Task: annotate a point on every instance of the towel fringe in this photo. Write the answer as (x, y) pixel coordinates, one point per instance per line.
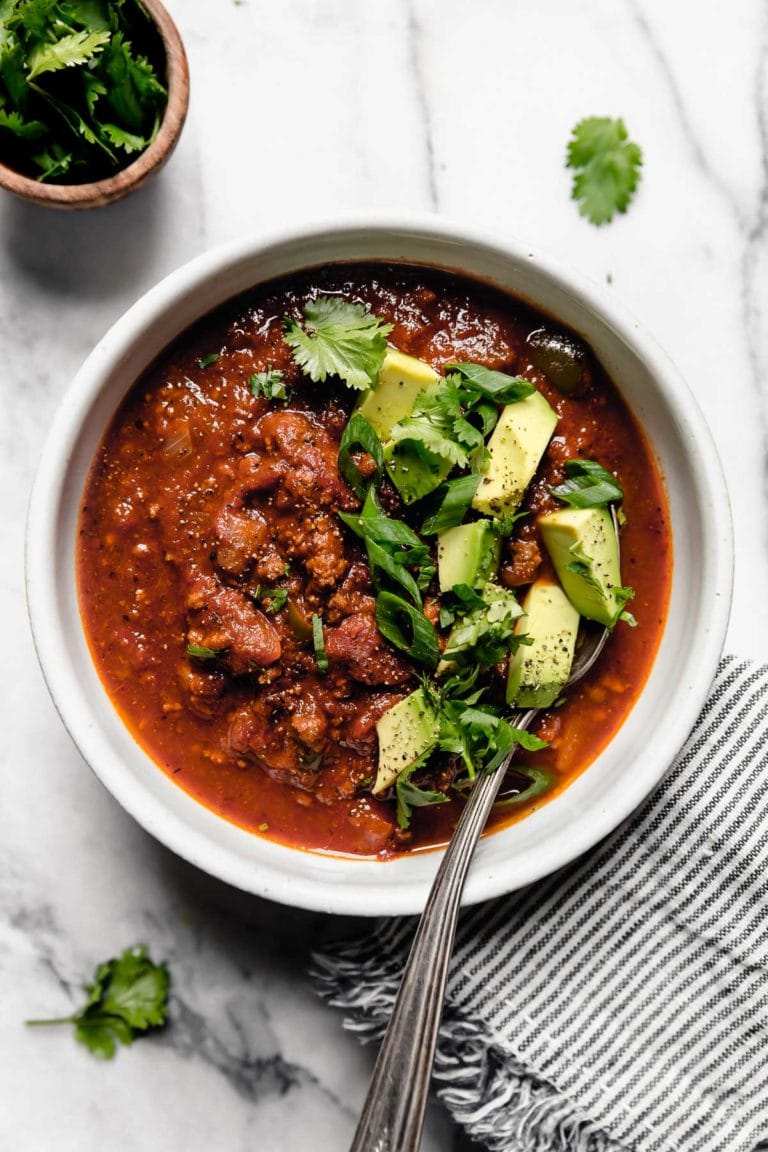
(499, 1101)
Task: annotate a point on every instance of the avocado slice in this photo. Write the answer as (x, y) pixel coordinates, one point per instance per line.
(407, 733)
(468, 554)
(516, 446)
(584, 549)
(393, 396)
(538, 672)
(415, 472)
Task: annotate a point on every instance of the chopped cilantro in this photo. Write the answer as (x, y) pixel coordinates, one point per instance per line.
(339, 338)
(607, 167)
(127, 998)
(203, 653)
(208, 359)
(269, 384)
(272, 599)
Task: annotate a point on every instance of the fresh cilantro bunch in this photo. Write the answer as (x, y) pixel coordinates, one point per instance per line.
(339, 338)
(78, 99)
(607, 167)
(128, 997)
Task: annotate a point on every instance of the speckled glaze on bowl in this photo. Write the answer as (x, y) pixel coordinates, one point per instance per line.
(626, 770)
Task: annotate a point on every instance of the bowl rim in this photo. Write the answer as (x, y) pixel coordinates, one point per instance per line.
(97, 193)
(47, 622)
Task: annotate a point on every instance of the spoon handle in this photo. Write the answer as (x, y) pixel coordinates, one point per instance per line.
(393, 1114)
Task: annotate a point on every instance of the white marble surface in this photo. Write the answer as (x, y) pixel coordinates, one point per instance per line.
(299, 108)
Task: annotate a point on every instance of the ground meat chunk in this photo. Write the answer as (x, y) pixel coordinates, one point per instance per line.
(203, 688)
(358, 646)
(354, 596)
(315, 539)
(522, 565)
(224, 618)
(240, 536)
(312, 455)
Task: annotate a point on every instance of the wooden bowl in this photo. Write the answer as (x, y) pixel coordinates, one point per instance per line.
(100, 192)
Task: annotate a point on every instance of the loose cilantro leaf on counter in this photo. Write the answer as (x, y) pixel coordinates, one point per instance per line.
(588, 485)
(339, 338)
(318, 643)
(607, 167)
(269, 384)
(127, 998)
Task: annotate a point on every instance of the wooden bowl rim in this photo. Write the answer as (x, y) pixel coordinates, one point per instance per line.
(123, 181)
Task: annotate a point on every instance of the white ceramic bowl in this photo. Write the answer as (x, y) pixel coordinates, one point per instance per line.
(603, 795)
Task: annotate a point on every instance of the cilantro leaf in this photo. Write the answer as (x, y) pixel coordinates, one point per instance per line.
(339, 338)
(269, 384)
(438, 425)
(209, 359)
(128, 141)
(607, 167)
(588, 485)
(127, 998)
(202, 653)
(25, 129)
(272, 599)
(410, 796)
(76, 48)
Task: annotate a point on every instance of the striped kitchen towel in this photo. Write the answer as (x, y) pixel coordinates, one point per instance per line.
(622, 1003)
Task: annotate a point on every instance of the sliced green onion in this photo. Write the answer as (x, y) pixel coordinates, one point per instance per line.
(493, 385)
(318, 643)
(455, 498)
(541, 781)
(589, 485)
(359, 435)
(407, 628)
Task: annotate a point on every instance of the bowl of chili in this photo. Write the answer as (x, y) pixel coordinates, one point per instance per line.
(196, 659)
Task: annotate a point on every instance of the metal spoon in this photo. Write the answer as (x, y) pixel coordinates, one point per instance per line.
(393, 1114)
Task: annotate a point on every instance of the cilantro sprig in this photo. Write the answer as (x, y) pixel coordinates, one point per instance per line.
(269, 384)
(80, 93)
(607, 167)
(338, 338)
(127, 998)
